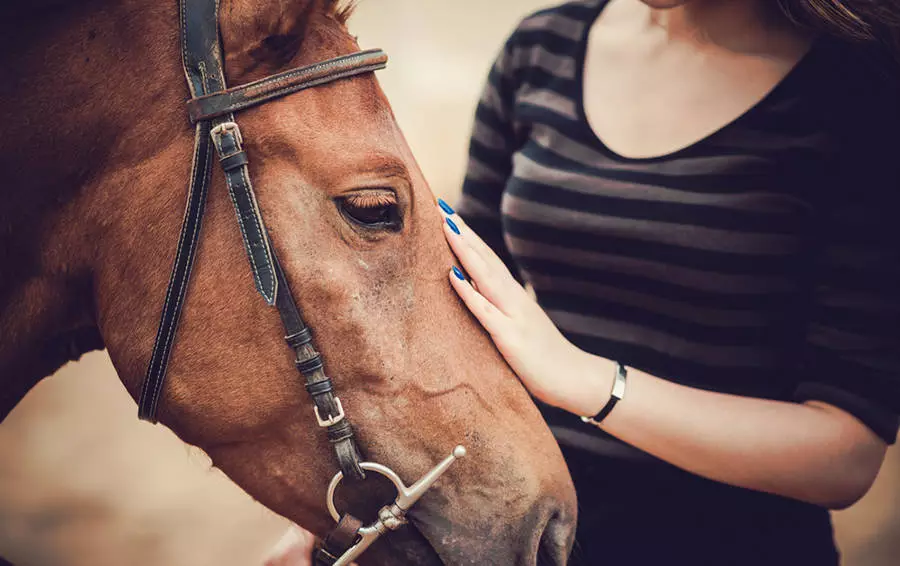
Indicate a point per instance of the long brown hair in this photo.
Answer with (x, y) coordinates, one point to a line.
(860, 20)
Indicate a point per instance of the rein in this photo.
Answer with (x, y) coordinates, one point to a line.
(211, 109)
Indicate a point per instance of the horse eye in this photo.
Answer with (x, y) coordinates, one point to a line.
(372, 211)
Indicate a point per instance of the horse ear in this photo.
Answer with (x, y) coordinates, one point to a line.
(256, 32)
(260, 37)
(341, 10)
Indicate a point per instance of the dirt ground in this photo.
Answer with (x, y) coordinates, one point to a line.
(84, 483)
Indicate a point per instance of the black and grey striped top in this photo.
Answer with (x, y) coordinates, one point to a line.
(763, 260)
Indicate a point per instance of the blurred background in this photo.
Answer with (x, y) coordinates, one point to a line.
(83, 482)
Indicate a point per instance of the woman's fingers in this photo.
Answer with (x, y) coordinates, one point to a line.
(483, 277)
(293, 549)
(482, 249)
(491, 318)
(489, 275)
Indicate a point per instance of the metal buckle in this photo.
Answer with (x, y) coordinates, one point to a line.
(390, 517)
(225, 127)
(332, 419)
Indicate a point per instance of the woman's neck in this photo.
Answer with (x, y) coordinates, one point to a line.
(740, 25)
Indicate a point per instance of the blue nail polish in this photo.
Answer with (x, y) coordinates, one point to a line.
(458, 273)
(452, 226)
(445, 207)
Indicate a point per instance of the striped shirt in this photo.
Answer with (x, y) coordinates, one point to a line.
(763, 261)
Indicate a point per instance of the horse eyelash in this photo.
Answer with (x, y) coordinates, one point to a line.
(371, 200)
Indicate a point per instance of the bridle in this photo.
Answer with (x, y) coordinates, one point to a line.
(211, 109)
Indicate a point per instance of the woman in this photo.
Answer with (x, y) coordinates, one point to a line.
(703, 191)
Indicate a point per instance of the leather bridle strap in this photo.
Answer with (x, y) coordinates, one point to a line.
(226, 137)
(212, 107)
(327, 407)
(251, 94)
(199, 83)
(344, 535)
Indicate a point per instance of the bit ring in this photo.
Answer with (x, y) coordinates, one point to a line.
(369, 467)
(406, 495)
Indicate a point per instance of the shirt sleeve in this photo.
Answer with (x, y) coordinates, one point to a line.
(851, 356)
(493, 142)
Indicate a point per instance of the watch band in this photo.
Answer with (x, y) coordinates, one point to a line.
(616, 395)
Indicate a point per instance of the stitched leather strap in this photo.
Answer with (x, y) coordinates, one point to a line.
(200, 40)
(338, 541)
(211, 109)
(251, 94)
(201, 59)
(318, 385)
(180, 277)
(200, 54)
(227, 140)
(212, 106)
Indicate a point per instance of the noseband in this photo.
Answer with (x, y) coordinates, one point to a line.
(211, 109)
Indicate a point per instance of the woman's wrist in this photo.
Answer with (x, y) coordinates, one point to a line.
(589, 385)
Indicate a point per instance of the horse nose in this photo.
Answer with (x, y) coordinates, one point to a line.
(556, 540)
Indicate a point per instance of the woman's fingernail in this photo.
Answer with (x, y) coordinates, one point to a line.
(445, 207)
(452, 226)
(458, 273)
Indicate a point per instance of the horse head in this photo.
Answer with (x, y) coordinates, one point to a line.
(99, 150)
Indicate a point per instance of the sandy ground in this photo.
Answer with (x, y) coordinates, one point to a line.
(82, 482)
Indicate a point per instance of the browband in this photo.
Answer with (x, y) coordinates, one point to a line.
(245, 96)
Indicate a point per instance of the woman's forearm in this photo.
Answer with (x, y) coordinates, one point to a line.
(813, 452)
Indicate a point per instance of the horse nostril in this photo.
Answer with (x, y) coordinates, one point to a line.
(556, 541)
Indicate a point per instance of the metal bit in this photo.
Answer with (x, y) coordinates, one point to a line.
(393, 516)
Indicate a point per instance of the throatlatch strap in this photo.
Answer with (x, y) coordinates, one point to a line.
(180, 277)
(196, 38)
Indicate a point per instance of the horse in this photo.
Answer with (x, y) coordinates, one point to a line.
(97, 148)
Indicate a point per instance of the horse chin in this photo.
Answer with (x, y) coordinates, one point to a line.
(537, 539)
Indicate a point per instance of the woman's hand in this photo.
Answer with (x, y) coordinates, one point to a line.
(295, 548)
(551, 367)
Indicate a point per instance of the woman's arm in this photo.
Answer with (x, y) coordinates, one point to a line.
(814, 452)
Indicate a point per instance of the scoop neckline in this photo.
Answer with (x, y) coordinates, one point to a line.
(791, 77)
